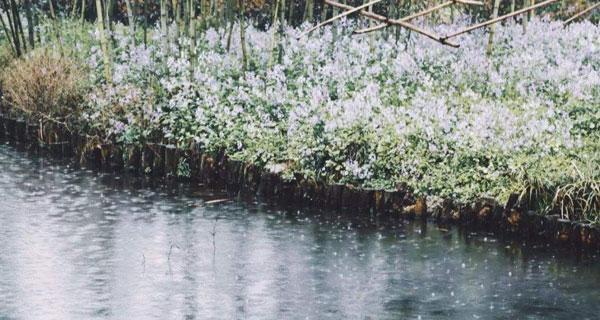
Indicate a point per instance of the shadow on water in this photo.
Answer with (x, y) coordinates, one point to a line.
(82, 244)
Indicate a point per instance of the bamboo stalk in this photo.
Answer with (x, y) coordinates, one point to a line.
(582, 13)
(110, 10)
(308, 10)
(407, 18)
(14, 30)
(492, 21)
(54, 25)
(490, 46)
(179, 19)
(130, 21)
(176, 12)
(103, 41)
(341, 15)
(163, 24)
(73, 8)
(8, 35)
(83, 4)
(192, 34)
(145, 26)
(406, 25)
(192, 31)
(30, 23)
(18, 24)
(525, 19)
(242, 9)
(274, 27)
(12, 35)
(229, 34)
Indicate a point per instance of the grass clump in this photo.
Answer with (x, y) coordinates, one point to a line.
(44, 84)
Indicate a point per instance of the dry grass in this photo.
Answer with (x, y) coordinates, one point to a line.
(45, 85)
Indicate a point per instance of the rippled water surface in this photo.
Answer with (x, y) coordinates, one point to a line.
(84, 245)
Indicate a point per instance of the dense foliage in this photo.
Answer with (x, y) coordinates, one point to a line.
(378, 111)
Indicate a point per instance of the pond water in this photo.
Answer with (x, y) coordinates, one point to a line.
(82, 245)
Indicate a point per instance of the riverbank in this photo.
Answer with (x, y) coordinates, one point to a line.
(512, 218)
(507, 140)
(108, 244)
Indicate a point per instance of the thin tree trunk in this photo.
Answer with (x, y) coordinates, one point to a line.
(110, 9)
(180, 23)
(335, 10)
(12, 26)
(371, 37)
(242, 8)
(163, 24)
(204, 8)
(54, 26)
(30, 23)
(36, 21)
(192, 32)
(18, 25)
(130, 21)
(323, 11)
(229, 34)
(145, 23)
(8, 36)
(74, 8)
(176, 12)
(309, 11)
(291, 13)
(274, 28)
(11, 30)
(490, 46)
(103, 41)
(83, 5)
(526, 3)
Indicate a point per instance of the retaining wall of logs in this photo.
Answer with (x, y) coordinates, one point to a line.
(163, 160)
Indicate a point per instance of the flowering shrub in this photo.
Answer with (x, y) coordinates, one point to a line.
(372, 111)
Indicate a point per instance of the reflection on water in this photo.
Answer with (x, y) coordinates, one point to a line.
(81, 245)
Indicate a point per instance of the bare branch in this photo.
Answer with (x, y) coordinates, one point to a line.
(407, 18)
(492, 21)
(475, 3)
(341, 15)
(582, 13)
(406, 25)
